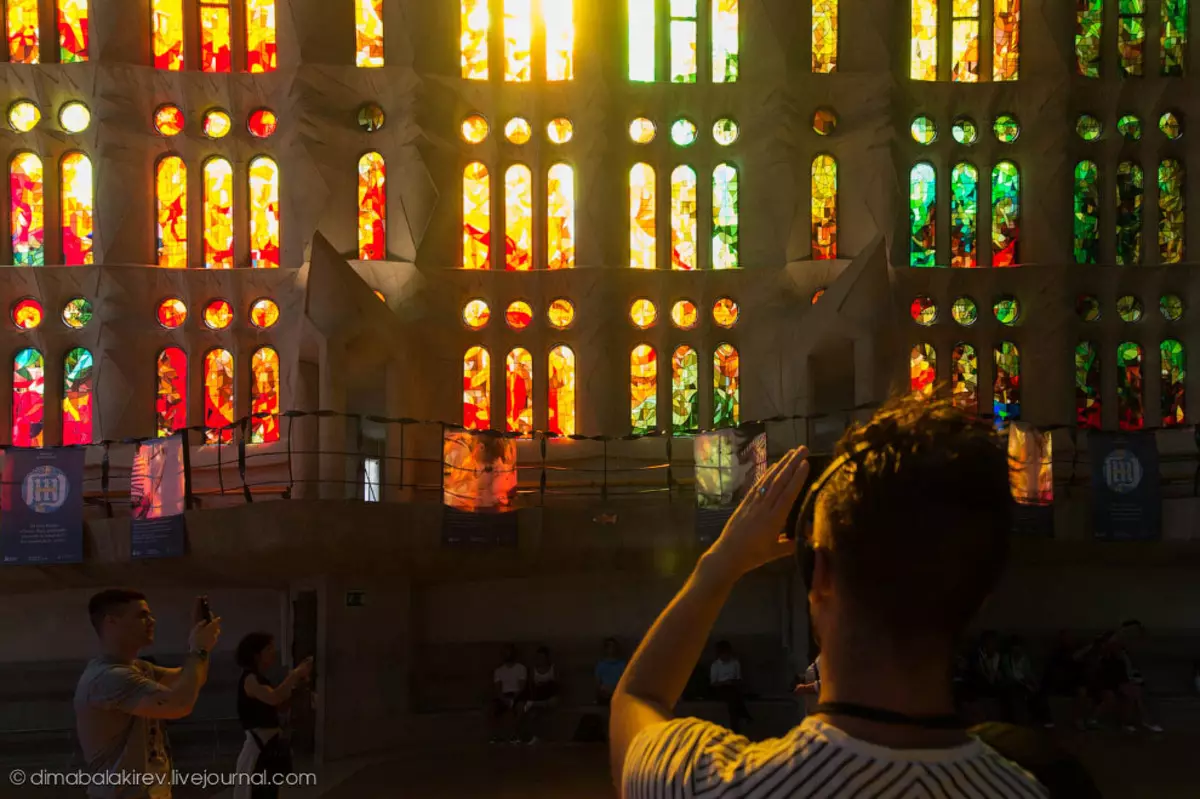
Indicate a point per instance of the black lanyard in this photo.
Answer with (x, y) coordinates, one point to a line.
(950, 721)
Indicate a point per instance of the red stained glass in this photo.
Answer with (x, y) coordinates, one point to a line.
(261, 48)
(264, 214)
(77, 209)
(218, 397)
(215, 41)
(170, 403)
(519, 392)
(218, 315)
(264, 400)
(167, 28)
(27, 210)
(28, 408)
(372, 208)
(27, 314)
(218, 214)
(77, 397)
(264, 314)
(21, 24)
(72, 31)
(477, 392)
(172, 313)
(169, 120)
(170, 187)
(263, 123)
(519, 315)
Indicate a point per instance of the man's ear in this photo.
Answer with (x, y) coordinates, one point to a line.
(822, 582)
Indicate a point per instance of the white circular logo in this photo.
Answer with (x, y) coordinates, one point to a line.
(45, 489)
(1122, 471)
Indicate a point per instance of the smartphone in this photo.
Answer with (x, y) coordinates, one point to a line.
(203, 611)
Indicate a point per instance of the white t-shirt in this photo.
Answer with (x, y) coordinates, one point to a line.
(510, 676)
(722, 671)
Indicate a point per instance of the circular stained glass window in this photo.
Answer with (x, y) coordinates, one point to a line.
(172, 313)
(1129, 308)
(1007, 128)
(924, 130)
(643, 314)
(168, 120)
(683, 132)
(1130, 127)
(1087, 307)
(684, 314)
(23, 116)
(264, 313)
(1088, 127)
(474, 129)
(74, 117)
(217, 124)
(262, 123)
(816, 297)
(965, 131)
(77, 313)
(27, 313)
(560, 130)
(518, 131)
(1171, 125)
(642, 131)
(964, 311)
(218, 315)
(924, 311)
(1007, 310)
(560, 314)
(1171, 306)
(824, 121)
(518, 315)
(476, 314)
(725, 132)
(371, 117)
(725, 312)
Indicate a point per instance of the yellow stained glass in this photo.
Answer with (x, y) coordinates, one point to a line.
(518, 40)
(264, 214)
(684, 314)
(726, 312)
(264, 313)
(518, 381)
(964, 48)
(27, 209)
(24, 41)
(474, 129)
(642, 234)
(518, 219)
(218, 397)
(171, 196)
(643, 385)
(561, 391)
(73, 31)
(368, 29)
(261, 47)
(264, 397)
(923, 64)
(643, 314)
(641, 40)
(683, 218)
(725, 44)
(217, 124)
(477, 389)
(218, 214)
(560, 217)
(74, 117)
(215, 41)
(476, 314)
(1006, 38)
(473, 40)
(77, 210)
(518, 130)
(23, 116)
(824, 35)
(560, 314)
(166, 17)
(477, 217)
(683, 41)
(372, 208)
(560, 130)
(558, 21)
(641, 130)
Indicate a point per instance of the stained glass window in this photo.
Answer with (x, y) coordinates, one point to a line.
(72, 31)
(473, 43)
(726, 312)
(1170, 211)
(1006, 214)
(216, 124)
(1171, 307)
(683, 132)
(558, 22)
(74, 117)
(1007, 39)
(1174, 37)
(218, 315)
(727, 407)
(1129, 309)
(1088, 127)
(1129, 214)
(964, 378)
(24, 115)
(77, 209)
(170, 183)
(642, 233)
(24, 41)
(264, 313)
(474, 129)
(518, 218)
(560, 314)
(685, 392)
(29, 388)
(965, 131)
(684, 314)
(77, 398)
(1089, 25)
(27, 210)
(262, 123)
(218, 397)
(924, 311)
(964, 211)
(77, 313)
(922, 370)
(824, 121)
(560, 390)
(560, 130)
(824, 208)
(725, 131)
(965, 311)
(477, 389)
(1007, 128)
(170, 403)
(519, 392)
(1171, 125)
(371, 117)
(372, 208)
(218, 214)
(1174, 379)
(643, 313)
(1006, 389)
(725, 40)
(924, 129)
(964, 46)
(726, 227)
(642, 131)
(27, 314)
(1087, 307)
(477, 217)
(1130, 127)
(518, 131)
(1131, 36)
(683, 41)
(215, 38)
(261, 48)
(1130, 412)
(264, 213)
(1007, 310)
(683, 218)
(264, 397)
(642, 52)
(518, 40)
(167, 24)
(1087, 213)
(1087, 386)
(922, 205)
(476, 314)
(824, 35)
(923, 64)
(368, 29)
(643, 383)
(560, 217)
(518, 315)
(171, 313)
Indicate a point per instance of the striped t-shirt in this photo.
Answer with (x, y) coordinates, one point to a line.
(693, 758)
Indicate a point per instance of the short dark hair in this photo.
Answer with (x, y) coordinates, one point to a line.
(724, 646)
(918, 517)
(249, 648)
(542, 650)
(109, 601)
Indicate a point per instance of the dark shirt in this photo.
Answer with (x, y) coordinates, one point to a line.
(253, 713)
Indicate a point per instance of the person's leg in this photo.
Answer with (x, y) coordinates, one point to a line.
(496, 719)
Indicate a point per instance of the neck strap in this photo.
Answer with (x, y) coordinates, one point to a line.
(949, 721)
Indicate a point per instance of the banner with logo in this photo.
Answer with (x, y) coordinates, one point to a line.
(1031, 478)
(479, 487)
(157, 497)
(41, 506)
(1126, 497)
(728, 464)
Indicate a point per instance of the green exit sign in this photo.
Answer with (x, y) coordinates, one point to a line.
(356, 599)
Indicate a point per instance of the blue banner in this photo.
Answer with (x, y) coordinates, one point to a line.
(1126, 500)
(157, 500)
(41, 506)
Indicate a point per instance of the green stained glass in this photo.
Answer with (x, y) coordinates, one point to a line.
(1088, 127)
(1131, 36)
(1007, 310)
(924, 311)
(1130, 126)
(964, 311)
(1130, 413)
(1006, 214)
(1087, 213)
(725, 132)
(683, 132)
(924, 130)
(77, 313)
(922, 203)
(1171, 214)
(964, 205)
(1171, 125)
(1007, 128)
(1006, 390)
(1089, 17)
(1171, 307)
(1088, 308)
(1087, 386)
(1174, 380)
(725, 236)
(1129, 214)
(1174, 39)
(1129, 308)
(685, 392)
(726, 387)
(965, 131)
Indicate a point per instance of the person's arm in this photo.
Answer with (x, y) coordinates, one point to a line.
(155, 700)
(281, 693)
(659, 669)
(167, 677)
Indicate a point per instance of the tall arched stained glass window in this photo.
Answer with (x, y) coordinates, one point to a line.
(77, 397)
(170, 189)
(518, 40)
(1174, 37)
(218, 396)
(643, 236)
(1174, 380)
(725, 41)
(264, 396)
(215, 38)
(166, 19)
(477, 389)
(683, 218)
(964, 378)
(261, 46)
(473, 41)
(1006, 56)
(683, 41)
(1171, 211)
(824, 208)
(1006, 388)
(1131, 36)
(558, 21)
(726, 227)
(1006, 214)
(1129, 214)
(964, 216)
(642, 51)
(560, 217)
(1087, 386)
(518, 219)
(170, 400)
(1087, 213)
(477, 217)
(727, 391)
(518, 380)
(218, 214)
(561, 391)
(264, 213)
(824, 35)
(1130, 411)
(72, 31)
(685, 391)
(21, 27)
(368, 33)
(923, 57)
(964, 44)
(922, 215)
(27, 210)
(372, 208)
(28, 393)
(77, 209)
(922, 369)
(643, 388)
(1089, 27)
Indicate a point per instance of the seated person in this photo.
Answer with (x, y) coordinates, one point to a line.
(543, 695)
(807, 686)
(608, 672)
(508, 680)
(725, 677)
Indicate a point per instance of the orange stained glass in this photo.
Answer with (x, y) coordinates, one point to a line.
(518, 315)
(168, 120)
(684, 314)
(560, 217)
(261, 47)
(643, 314)
(218, 214)
(558, 23)
(21, 25)
(560, 391)
(170, 187)
(476, 314)
(368, 28)
(518, 130)
(727, 401)
(264, 313)
(726, 312)
(72, 31)
(78, 387)
(170, 404)
(923, 369)
(561, 314)
(166, 17)
(475, 129)
(477, 389)
(172, 313)
(683, 218)
(264, 213)
(519, 392)
(518, 219)
(263, 123)
(27, 314)
(372, 208)
(643, 387)
(264, 397)
(218, 315)
(218, 397)
(473, 40)
(27, 210)
(77, 209)
(642, 234)
(216, 124)
(477, 217)
(518, 40)
(215, 42)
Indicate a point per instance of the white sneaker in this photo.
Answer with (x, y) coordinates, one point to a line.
(1153, 727)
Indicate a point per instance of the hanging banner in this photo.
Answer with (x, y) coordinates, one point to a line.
(728, 464)
(41, 506)
(479, 487)
(157, 528)
(1031, 478)
(1126, 497)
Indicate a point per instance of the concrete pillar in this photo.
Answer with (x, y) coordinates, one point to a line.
(304, 431)
(394, 467)
(333, 439)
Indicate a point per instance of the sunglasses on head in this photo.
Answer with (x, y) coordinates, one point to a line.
(802, 527)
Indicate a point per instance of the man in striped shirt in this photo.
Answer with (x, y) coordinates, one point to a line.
(901, 539)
